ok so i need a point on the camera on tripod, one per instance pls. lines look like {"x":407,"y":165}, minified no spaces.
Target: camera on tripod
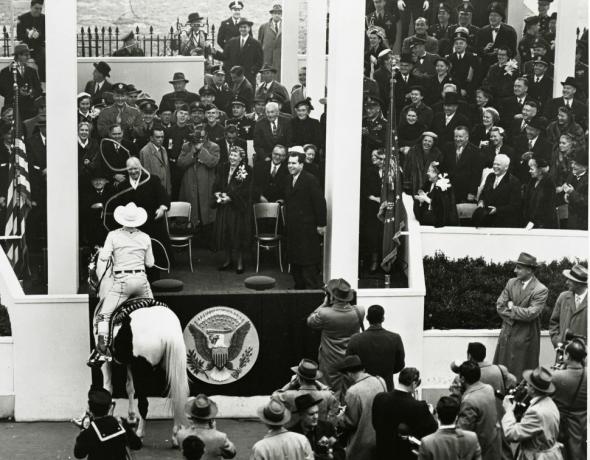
{"x":561,"y":346}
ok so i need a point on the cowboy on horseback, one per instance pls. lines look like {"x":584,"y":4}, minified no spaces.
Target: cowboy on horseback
{"x":131,"y":252}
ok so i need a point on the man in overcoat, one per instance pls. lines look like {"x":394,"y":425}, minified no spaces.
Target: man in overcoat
{"x":571,"y":308}
{"x":154,"y":158}
{"x":520,"y":306}
{"x":229,"y":28}
{"x":306,"y":223}
{"x":270,"y":37}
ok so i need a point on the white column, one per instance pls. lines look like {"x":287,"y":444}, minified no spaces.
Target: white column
{"x":62,"y":152}
{"x":289,"y":43}
{"x":343,"y":147}
{"x":317,"y":11}
{"x":516,"y":13}
{"x":565,"y":40}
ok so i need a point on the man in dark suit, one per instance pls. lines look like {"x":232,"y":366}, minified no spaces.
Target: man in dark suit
{"x":449,"y":442}
{"x":517,"y":126}
{"x":180,"y":92}
{"x":243,"y":50}
{"x":424,"y":66}
{"x":540,"y":83}
{"x":512,"y":105}
{"x":230,"y":139}
{"x":30,"y":29}
{"x":532,"y":142}
{"x":397,"y":411}
{"x":320,"y":434}
{"x":29,"y":86}
{"x":381,"y":351}
{"x":499,"y":202}
{"x":570,"y":87}
{"x":404,"y":80}
{"x":270,"y":131}
{"x":229,"y":28}
{"x":444,"y":124}
{"x":461,"y":160}
{"x":306,"y":224}
{"x":222,"y":90}
{"x":495,"y":34}
{"x":464,"y":66}
{"x":269,"y":178}
{"x":576,"y":192}
{"x":99,"y":83}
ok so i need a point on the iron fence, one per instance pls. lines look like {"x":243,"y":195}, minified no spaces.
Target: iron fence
{"x":6,"y":43}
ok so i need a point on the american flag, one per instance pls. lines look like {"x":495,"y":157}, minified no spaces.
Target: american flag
{"x":18,"y":204}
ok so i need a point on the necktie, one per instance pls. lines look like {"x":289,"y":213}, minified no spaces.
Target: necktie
{"x":97,"y":88}
{"x":577,"y":301}
{"x":294,"y":180}
{"x":459,"y":57}
{"x":531,"y":145}
{"x":242,"y":42}
{"x":496,"y":182}
{"x":537,"y":79}
{"x":273,"y":173}
{"x":274,"y":128}
{"x":459,"y":152}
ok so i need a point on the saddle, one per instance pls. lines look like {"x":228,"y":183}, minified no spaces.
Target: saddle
{"x":123,"y":311}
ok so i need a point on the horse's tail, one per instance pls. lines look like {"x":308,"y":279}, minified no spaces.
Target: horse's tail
{"x":175,"y":363}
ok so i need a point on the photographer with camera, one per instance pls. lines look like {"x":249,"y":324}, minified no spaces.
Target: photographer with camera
{"x":537,"y":431}
{"x":571,"y":398}
{"x":105,"y":437}
{"x":571,"y":312}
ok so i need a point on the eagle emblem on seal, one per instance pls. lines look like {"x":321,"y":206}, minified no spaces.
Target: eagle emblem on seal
{"x":222,"y":345}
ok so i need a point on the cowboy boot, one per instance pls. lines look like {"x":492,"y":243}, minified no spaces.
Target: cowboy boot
{"x":101,"y":353}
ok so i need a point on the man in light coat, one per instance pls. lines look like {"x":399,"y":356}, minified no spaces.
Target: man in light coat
{"x":537,"y":431}
{"x":571,"y":308}
{"x":269,"y":36}
{"x":154,"y":158}
{"x":520,"y":306}
{"x":478,"y":411}
{"x":362,"y":443}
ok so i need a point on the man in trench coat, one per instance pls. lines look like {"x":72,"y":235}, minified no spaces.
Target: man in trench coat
{"x":520,"y":306}
{"x":269,"y":36}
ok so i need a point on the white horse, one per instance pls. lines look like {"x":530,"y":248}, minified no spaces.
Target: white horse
{"x":147,"y":338}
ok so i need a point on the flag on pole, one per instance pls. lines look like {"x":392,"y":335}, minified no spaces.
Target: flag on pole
{"x":18,"y":204}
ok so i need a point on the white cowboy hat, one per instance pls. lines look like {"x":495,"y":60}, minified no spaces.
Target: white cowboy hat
{"x":130,"y":215}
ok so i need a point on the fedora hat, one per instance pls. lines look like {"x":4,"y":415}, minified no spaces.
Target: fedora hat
{"x":577,"y":273}
{"x":571,"y":81}
{"x":21,"y":48}
{"x":540,"y":379}
{"x":268,"y":68}
{"x":304,"y":402}
{"x":526,"y":260}
{"x":131,"y":89}
{"x":130,"y":215}
{"x":274,"y":413}
{"x":200,"y":407}
{"x":103,"y":68}
{"x":276,"y":9}
{"x":308,"y":370}
{"x":350,"y":363}
{"x":340,"y":290}
{"x":178,"y":76}
{"x":194,"y":17}
{"x":244,"y":21}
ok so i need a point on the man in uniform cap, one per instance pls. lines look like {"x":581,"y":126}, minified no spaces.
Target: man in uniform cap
{"x":179,"y":83}
{"x":530,"y":34}
{"x":119,"y":113}
{"x":464,"y":23}
{"x":540,"y":83}
{"x":464,"y":65}
{"x":30,"y":29}
{"x":130,"y":47}
{"x":495,"y":35}
{"x":270,"y":37}
{"x":244,"y":124}
{"x":29,"y":86}
{"x":520,"y":305}
{"x":540,"y":48}
{"x":229,"y":28}
{"x":374,"y":129}
{"x":106,"y":437}
{"x":441,"y":30}
{"x":143,"y":133}
{"x":99,"y":83}
{"x":218,"y":83}
{"x":544,"y":18}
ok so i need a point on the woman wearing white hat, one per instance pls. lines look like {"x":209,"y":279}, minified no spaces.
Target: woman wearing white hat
{"x":131,"y":252}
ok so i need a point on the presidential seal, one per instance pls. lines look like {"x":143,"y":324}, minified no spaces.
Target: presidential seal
{"x":222,"y":345}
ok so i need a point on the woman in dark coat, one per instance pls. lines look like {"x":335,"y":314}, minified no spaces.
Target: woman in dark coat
{"x":88,"y":151}
{"x":434,"y":204}
{"x":371,"y":226}
{"x":232,"y":198}
{"x":376,"y":45}
{"x":409,"y":131}
{"x":305,"y":130}
{"x":565,"y":124}
{"x":312,"y":164}
{"x":417,"y":160}
{"x":480,"y":134}
{"x":539,"y":197}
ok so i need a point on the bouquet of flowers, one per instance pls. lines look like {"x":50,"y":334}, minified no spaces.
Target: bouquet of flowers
{"x":510,"y":67}
{"x":242,"y":173}
{"x":443,"y":182}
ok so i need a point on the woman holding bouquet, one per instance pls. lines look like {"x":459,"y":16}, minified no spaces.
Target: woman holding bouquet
{"x":232,"y":199}
{"x":434,"y":204}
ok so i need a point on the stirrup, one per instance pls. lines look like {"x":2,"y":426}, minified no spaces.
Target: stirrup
{"x":97,"y":358}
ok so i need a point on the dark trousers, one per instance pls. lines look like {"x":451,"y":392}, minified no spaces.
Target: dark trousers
{"x":410,"y":14}
{"x":307,"y":276}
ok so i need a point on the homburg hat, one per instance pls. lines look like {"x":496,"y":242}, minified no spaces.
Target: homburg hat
{"x":21,"y":48}
{"x":577,"y":273}
{"x":340,"y":290}
{"x":308,"y":370}
{"x":407,"y":58}
{"x":526,"y":260}
{"x":130,"y":215}
{"x":276,"y":9}
{"x":194,"y":18}
{"x":540,"y":379}
{"x":201,"y":408}
{"x":103,"y":68}
{"x":570,"y":81}
{"x":350,"y":363}
{"x":304,"y":402}
{"x":178,"y":76}
{"x":274,"y":413}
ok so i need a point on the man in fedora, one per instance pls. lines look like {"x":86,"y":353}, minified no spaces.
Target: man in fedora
{"x":201,"y":412}
{"x":180,"y":92}
{"x":243,"y":50}
{"x":320,"y":434}
{"x":571,"y":308}
{"x":537,"y":431}
{"x":269,"y":36}
{"x":269,"y":85}
{"x":520,"y":305}
{"x":306,"y":381}
{"x":229,"y":28}
{"x":278,"y":442}
{"x":193,"y":42}
{"x":338,"y":320}
{"x":29,"y":86}
{"x":130,"y":47}
{"x":130,"y":250}
{"x":99,"y":83}
{"x":568,"y":99}
{"x":358,"y":415}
